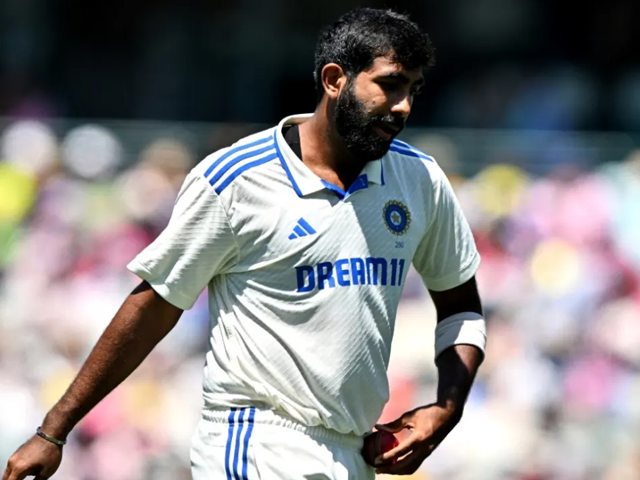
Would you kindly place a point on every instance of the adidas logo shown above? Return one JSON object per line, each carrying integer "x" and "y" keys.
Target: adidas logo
{"x": 302, "y": 229}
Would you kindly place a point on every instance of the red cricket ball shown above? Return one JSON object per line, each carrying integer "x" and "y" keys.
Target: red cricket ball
{"x": 377, "y": 443}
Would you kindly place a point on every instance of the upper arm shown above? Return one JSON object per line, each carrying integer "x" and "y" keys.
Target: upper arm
{"x": 145, "y": 299}
{"x": 446, "y": 256}
{"x": 197, "y": 244}
{"x": 463, "y": 298}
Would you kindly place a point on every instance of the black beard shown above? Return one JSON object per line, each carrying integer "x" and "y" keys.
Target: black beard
{"x": 355, "y": 127}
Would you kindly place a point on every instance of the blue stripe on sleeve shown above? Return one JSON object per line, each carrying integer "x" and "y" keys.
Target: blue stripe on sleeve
{"x": 235, "y": 150}
{"x": 410, "y": 153}
{"x": 242, "y": 169}
{"x": 229, "y": 165}
{"x": 402, "y": 144}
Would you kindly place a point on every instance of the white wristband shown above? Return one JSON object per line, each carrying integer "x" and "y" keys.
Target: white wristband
{"x": 466, "y": 328}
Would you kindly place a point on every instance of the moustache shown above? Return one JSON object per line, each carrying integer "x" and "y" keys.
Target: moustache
{"x": 396, "y": 122}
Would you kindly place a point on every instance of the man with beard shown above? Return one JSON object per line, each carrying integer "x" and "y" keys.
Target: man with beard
{"x": 304, "y": 234}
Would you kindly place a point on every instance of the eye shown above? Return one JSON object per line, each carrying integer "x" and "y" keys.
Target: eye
{"x": 388, "y": 85}
{"x": 416, "y": 92}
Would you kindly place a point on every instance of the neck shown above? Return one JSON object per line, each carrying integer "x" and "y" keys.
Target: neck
{"x": 324, "y": 152}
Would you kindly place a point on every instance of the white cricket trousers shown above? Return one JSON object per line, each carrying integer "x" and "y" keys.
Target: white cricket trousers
{"x": 254, "y": 444}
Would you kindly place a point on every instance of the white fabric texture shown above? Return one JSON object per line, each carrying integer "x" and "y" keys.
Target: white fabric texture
{"x": 197, "y": 245}
{"x": 303, "y": 285}
{"x": 251, "y": 444}
{"x": 447, "y": 255}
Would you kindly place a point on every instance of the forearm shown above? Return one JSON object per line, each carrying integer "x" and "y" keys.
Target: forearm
{"x": 457, "y": 367}
{"x": 458, "y": 364}
{"x": 142, "y": 321}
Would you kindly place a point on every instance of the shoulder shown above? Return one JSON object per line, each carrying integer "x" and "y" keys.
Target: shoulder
{"x": 404, "y": 149}
{"x": 407, "y": 160}
{"x": 222, "y": 167}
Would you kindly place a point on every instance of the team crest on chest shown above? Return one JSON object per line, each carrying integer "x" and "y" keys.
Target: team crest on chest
{"x": 397, "y": 217}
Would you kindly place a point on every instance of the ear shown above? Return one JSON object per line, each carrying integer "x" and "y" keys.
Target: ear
{"x": 333, "y": 80}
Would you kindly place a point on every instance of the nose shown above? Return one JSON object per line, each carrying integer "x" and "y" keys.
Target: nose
{"x": 403, "y": 107}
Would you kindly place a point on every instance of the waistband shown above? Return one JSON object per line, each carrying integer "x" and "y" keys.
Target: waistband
{"x": 271, "y": 417}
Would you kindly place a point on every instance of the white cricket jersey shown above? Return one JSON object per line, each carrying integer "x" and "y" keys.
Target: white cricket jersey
{"x": 304, "y": 279}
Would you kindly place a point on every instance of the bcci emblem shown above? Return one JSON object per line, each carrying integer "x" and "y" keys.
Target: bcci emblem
{"x": 397, "y": 217}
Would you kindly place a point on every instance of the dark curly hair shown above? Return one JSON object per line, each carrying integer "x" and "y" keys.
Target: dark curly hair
{"x": 362, "y": 35}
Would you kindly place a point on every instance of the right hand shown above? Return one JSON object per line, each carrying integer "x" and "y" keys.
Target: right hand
{"x": 37, "y": 457}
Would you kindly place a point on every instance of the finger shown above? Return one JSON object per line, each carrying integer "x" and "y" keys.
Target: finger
{"x": 395, "y": 426}
{"x": 406, "y": 465}
{"x": 16, "y": 475}
{"x": 20, "y": 473}
{"x": 12, "y": 474}
{"x": 392, "y": 427}
{"x": 404, "y": 447}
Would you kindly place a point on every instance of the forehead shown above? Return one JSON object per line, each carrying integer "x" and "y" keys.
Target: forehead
{"x": 385, "y": 66}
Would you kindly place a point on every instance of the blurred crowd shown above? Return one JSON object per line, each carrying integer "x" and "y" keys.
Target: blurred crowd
{"x": 557, "y": 398}
{"x": 500, "y": 63}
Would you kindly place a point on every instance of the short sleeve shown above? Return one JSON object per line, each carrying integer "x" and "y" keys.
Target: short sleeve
{"x": 446, "y": 256}
{"x": 197, "y": 244}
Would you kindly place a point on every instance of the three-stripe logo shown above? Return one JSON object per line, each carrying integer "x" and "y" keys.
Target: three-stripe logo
{"x": 302, "y": 229}
{"x": 237, "y": 450}
{"x": 238, "y": 159}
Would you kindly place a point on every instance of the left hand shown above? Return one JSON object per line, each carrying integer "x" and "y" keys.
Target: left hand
{"x": 429, "y": 425}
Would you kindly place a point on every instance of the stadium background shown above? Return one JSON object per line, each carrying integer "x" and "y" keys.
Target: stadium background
{"x": 533, "y": 110}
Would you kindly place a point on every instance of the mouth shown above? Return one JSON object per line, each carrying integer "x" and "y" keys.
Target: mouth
{"x": 387, "y": 130}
